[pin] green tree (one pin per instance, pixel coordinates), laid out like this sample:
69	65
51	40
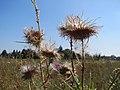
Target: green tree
4	53
13	54
60	49
67	54
97	56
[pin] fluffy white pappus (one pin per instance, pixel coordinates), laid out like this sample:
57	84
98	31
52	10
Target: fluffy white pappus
25	68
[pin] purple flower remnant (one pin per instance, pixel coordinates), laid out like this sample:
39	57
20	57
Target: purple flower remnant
61	69
56	66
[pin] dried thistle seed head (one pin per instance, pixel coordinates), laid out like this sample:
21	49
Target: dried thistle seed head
59	67
66	70
28	71
77	28
33	37
25	68
63	70
49	51
29	74
117	69
68	65
51	54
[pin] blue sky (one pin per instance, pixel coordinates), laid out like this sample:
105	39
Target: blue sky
17	14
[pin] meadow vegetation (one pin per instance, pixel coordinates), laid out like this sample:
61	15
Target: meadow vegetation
97	74
53	69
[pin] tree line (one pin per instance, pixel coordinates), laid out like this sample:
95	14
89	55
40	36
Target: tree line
65	53
16	54
31	54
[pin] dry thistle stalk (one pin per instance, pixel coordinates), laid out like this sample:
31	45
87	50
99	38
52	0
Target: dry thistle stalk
33	37
50	54
76	28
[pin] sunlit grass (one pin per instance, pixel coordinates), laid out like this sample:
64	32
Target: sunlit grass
11	76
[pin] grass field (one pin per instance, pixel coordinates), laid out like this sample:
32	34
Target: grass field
98	72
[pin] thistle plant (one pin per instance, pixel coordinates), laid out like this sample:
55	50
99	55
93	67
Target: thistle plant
64	69
33	37
75	29
114	83
50	54
48	50
78	29
29	73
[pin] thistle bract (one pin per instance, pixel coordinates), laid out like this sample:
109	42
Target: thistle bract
77	28
33	37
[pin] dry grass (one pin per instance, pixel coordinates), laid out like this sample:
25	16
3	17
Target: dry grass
11	77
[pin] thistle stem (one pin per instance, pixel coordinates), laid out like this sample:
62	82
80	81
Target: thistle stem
39	47
47	65
71	45
37	14
37	17
30	82
83	67
72	64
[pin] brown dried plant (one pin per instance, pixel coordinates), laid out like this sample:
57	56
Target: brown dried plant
116	76
28	72
33	37
77	28
49	51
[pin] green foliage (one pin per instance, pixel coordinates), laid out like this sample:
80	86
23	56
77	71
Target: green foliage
91	85
97	56
67	54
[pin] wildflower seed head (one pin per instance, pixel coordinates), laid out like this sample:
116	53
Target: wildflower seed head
49	51
63	70
117	69
33	37
28	72
77	28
